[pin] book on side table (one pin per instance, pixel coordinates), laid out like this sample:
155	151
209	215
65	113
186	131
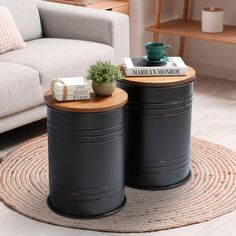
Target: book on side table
142	67
70	89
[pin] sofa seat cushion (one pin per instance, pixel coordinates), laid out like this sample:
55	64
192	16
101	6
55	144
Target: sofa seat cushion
53	57
20	88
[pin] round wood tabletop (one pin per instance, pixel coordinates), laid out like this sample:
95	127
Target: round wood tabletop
160	81
94	104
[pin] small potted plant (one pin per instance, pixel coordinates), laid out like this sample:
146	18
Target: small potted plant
104	75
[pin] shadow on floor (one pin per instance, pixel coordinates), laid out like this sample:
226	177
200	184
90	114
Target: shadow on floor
12	138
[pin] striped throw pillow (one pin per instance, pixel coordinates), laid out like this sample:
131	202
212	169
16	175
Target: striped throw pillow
10	37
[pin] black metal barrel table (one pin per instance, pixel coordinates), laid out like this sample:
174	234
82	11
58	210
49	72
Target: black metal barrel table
158	127
86	155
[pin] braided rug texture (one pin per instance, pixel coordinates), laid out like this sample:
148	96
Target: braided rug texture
211	191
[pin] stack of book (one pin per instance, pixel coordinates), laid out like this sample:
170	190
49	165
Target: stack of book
70	89
171	66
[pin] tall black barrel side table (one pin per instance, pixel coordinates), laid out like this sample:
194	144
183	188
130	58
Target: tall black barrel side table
158	128
86	155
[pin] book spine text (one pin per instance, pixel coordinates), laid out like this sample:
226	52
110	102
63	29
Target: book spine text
155	72
72	98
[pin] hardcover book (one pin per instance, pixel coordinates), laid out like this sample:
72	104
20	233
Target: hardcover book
71	83
75	92
61	98
138	67
70	89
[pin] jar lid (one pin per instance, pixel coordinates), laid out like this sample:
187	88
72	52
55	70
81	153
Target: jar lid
213	9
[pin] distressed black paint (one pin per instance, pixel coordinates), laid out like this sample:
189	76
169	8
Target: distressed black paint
86	162
158	127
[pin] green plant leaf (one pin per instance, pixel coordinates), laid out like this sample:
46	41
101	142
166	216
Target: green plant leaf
103	72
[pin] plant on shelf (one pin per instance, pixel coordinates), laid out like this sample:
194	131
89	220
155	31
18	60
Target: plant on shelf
104	75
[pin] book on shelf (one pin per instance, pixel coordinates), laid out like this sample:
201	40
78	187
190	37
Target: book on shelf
138	67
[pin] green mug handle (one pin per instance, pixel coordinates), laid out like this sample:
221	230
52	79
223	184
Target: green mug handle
168	50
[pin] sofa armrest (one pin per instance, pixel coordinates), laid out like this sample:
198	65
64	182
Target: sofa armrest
65	21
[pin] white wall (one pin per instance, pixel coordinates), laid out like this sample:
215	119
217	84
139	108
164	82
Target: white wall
142	14
209	58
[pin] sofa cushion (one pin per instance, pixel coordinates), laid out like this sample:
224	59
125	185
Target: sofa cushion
22	118
10	37
26	16
20	88
59	57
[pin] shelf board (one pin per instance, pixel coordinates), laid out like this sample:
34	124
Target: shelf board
106	5
192	29
97	4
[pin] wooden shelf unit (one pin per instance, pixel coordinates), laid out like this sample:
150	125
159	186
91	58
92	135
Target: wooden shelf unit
186	28
121	6
192	29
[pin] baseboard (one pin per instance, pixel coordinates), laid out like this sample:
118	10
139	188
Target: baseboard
213	71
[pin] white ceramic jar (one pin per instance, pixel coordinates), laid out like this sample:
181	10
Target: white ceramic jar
212	20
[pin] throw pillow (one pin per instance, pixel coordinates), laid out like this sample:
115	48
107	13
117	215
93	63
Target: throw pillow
10	37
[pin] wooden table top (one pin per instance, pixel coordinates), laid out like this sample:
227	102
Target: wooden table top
159	81
94	104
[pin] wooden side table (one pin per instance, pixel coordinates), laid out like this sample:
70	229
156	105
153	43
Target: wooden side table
122	6
86	155
158	128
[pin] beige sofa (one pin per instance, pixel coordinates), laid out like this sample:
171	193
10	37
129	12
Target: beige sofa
61	41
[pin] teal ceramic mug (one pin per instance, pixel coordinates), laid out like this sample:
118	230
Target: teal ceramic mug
156	51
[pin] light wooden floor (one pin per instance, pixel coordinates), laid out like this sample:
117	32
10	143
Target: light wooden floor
214	119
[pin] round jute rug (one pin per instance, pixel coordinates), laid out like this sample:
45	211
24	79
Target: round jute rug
211	192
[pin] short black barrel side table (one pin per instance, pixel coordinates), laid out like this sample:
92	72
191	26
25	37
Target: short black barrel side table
86	155
158	128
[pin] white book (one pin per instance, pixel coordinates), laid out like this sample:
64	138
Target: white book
139	67
72	83
60	98
86	91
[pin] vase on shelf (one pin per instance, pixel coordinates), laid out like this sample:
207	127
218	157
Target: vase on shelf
212	20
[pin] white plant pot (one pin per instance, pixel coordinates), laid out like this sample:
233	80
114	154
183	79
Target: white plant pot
104	89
